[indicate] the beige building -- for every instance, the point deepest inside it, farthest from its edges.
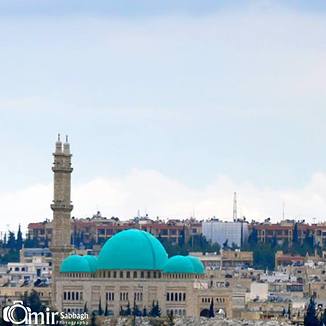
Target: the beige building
(133, 269)
(226, 259)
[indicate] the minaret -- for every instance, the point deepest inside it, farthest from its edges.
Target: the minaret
(61, 225)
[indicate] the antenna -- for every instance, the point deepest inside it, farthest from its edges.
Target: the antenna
(235, 207)
(283, 211)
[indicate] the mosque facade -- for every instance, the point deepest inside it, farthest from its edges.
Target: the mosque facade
(131, 270)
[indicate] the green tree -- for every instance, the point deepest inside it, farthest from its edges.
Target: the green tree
(310, 318)
(128, 310)
(19, 242)
(11, 243)
(295, 238)
(34, 302)
(145, 312)
(100, 310)
(155, 311)
(211, 309)
(93, 319)
(226, 245)
(253, 238)
(85, 307)
(264, 256)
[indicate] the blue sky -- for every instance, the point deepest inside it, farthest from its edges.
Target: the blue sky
(190, 91)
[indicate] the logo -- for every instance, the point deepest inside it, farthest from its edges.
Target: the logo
(18, 314)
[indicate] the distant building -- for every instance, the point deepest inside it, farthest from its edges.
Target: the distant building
(97, 229)
(27, 255)
(281, 232)
(21, 274)
(220, 232)
(227, 259)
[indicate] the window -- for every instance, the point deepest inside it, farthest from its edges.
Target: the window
(135, 274)
(121, 274)
(110, 296)
(123, 296)
(128, 275)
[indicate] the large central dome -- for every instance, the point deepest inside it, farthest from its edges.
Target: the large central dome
(132, 250)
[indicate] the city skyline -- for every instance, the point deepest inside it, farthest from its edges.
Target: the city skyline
(169, 109)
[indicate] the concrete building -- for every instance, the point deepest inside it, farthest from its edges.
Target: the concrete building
(226, 259)
(27, 273)
(220, 232)
(27, 255)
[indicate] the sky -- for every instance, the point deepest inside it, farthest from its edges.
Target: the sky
(170, 107)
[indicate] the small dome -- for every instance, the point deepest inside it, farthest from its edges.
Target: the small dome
(179, 264)
(92, 262)
(199, 267)
(184, 264)
(75, 264)
(132, 250)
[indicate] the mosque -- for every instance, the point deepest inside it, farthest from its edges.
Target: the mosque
(132, 268)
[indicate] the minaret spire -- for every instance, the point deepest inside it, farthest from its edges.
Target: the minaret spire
(61, 225)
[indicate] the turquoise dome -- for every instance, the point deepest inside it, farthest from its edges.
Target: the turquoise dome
(92, 262)
(132, 250)
(199, 267)
(184, 264)
(75, 264)
(179, 264)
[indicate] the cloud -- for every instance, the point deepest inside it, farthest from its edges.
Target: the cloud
(158, 195)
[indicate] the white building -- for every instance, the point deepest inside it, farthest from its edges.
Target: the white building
(26, 273)
(220, 232)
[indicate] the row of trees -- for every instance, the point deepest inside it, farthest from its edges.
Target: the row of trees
(183, 247)
(10, 245)
(155, 310)
(12, 241)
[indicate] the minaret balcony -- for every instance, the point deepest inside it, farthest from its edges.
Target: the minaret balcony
(59, 206)
(64, 169)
